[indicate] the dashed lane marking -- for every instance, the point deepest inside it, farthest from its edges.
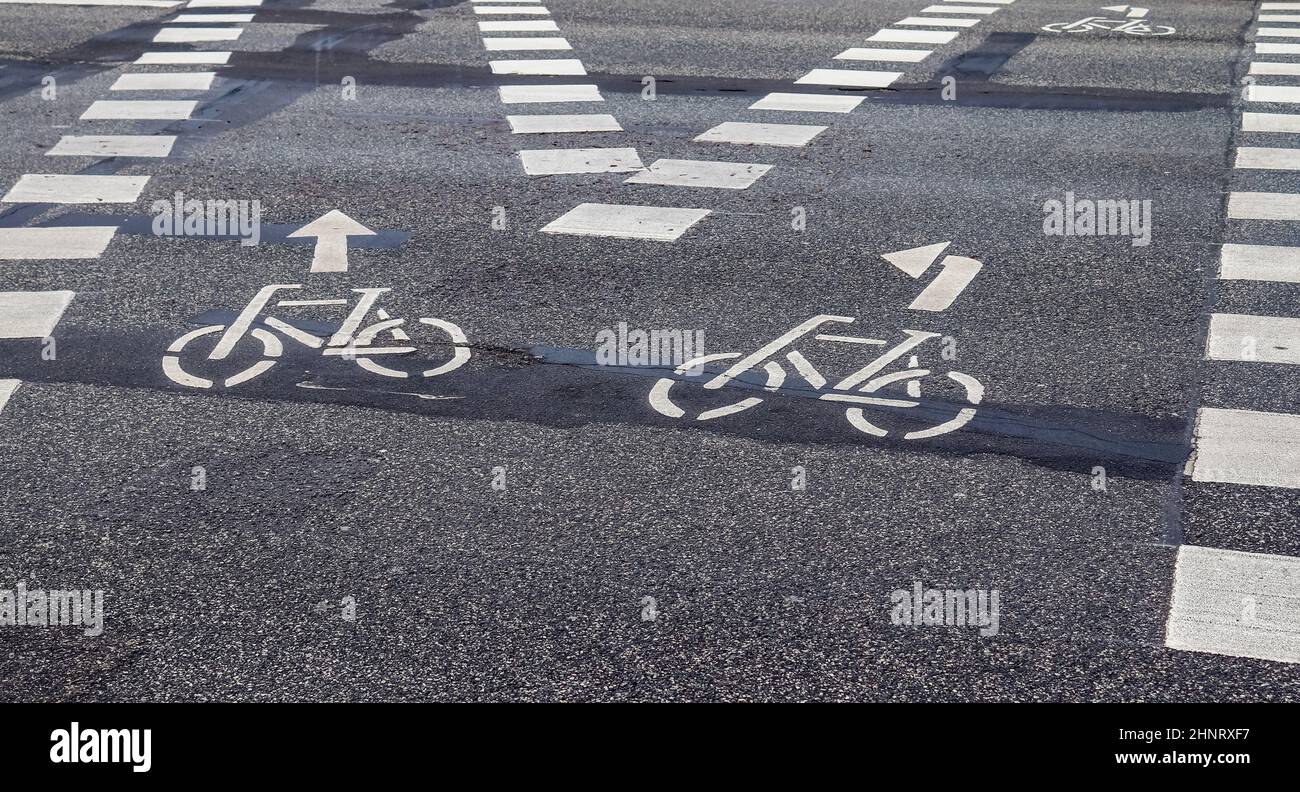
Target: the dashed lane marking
(164, 81)
(939, 21)
(1275, 48)
(1273, 263)
(175, 58)
(957, 9)
(512, 10)
(1265, 67)
(1266, 158)
(1263, 206)
(112, 146)
(849, 78)
(518, 26)
(32, 314)
(551, 162)
(1247, 447)
(1227, 602)
(658, 223)
(138, 110)
(739, 132)
(881, 54)
(556, 67)
(1270, 122)
(701, 173)
(807, 103)
(1262, 339)
(7, 388)
(553, 124)
(64, 189)
(915, 36)
(209, 18)
(539, 43)
(523, 94)
(190, 34)
(36, 244)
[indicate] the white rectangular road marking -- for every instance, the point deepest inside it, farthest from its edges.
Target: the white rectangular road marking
(1260, 339)
(701, 173)
(234, 3)
(659, 223)
(1278, 32)
(915, 36)
(743, 133)
(1273, 263)
(172, 58)
(994, 2)
(522, 43)
(1266, 67)
(138, 110)
(556, 67)
(113, 146)
(184, 35)
(1263, 206)
(1226, 602)
(1270, 122)
(145, 3)
(1271, 48)
(1247, 447)
(881, 54)
(1279, 17)
(957, 9)
(1266, 158)
(938, 21)
(209, 18)
(57, 188)
(32, 314)
(518, 26)
(37, 244)
(1277, 6)
(554, 161)
(512, 10)
(539, 124)
(7, 388)
(521, 94)
(852, 78)
(807, 103)
(164, 81)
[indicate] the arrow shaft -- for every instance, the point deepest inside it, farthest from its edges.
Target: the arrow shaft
(331, 254)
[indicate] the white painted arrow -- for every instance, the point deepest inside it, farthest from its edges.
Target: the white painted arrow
(1133, 11)
(915, 261)
(957, 273)
(331, 230)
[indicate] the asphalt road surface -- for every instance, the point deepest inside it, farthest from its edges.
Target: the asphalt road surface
(1070, 403)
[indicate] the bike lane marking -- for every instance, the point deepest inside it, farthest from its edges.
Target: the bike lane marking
(1232, 603)
(1260, 262)
(63, 189)
(626, 221)
(557, 67)
(553, 162)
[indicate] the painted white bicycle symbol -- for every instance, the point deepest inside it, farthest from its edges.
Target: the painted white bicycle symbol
(866, 380)
(1133, 27)
(351, 341)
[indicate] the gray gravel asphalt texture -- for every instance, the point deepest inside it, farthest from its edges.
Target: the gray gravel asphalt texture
(1090, 351)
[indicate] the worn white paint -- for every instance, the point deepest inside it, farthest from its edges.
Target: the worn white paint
(807, 103)
(553, 124)
(1246, 447)
(1262, 339)
(1266, 158)
(555, 161)
(742, 133)
(1263, 206)
(1260, 263)
(701, 173)
(32, 314)
(658, 223)
(38, 244)
(113, 146)
(63, 189)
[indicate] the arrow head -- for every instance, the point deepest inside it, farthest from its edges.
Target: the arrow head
(332, 223)
(915, 261)
(1120, 8)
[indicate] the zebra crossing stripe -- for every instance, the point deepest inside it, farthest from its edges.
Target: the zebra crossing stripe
(164, 81)
(1276, 48)
(138, 110)
(957, 9)
(551, 124)
(32, 314)
(238, 3)
(1260, 263)
(1227, 602)
(849, 78)
(560, 67)
(7, 388)
(1279, 17)
(51, 244)
(623, 221)
(1278, 32)
(807, 103)
(512, 10)
(1270, 122)
(523, 94)
(939, 21)
(1263, 206)
(551, 162)
(518, 26)
(1262, 339)
(63, 189)
(701, 173)
(210, 18)
(739, 132)
(180, 35)
(915, 36)
(1246, 447)
(113, 146)
(1269, 67)
(496, 44)
(882, 54)
(176, 58)
(1266, 158)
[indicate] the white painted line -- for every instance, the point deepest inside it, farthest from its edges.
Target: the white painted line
(164, 81)
(994, 2)
(742, 133)
(522, 43)
(1278, 32)
(556, 67)
(209, 18)
(1266, 158)
(1273, 263)
(1263, 6)
(513, 10)
(807, 103)
(189, 34)
(1247, 447)
(915, 36)
(7, 388)
(522, 94)
(850, 78)
(1279, 17)
(113, 146)
(36, 244)
(172, 58)
(145, 3)
(701, 173)
(1237, 604)
(61, 189)
(517, 26)
(1270, 122)
(659, 223)
(236, 3)
(1266, 67)
(881, 54)
(957, 9)
(138, 110)
(1259, 339)
(952, 280)
(32, 314)
(1270, 48)
(555, 161)
(938, 21)
(551, 124)
(1263, 206)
